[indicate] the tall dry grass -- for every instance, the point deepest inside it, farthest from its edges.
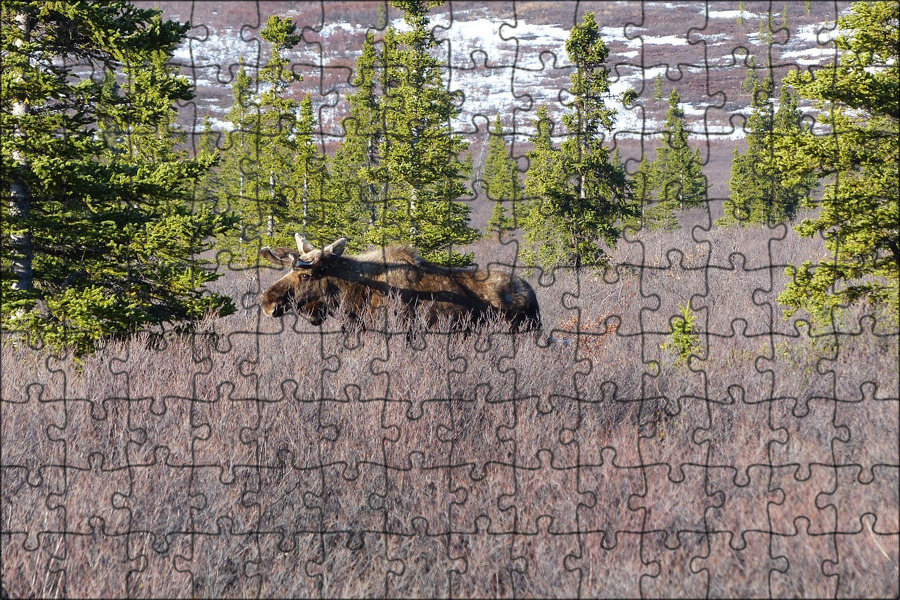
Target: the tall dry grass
(266, 457)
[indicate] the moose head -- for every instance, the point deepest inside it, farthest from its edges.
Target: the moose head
(303, 288)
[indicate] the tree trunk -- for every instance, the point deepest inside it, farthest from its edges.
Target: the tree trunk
(241, 204)
(305, 204)
(19, 194)
(270, 225)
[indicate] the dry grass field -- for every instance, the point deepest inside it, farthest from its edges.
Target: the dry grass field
(266, 457)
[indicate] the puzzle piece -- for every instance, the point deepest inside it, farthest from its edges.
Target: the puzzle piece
(668, 431)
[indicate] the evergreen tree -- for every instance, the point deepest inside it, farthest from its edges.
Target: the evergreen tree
(272, 184)
(100, 236)
(207, 189)
(274, 173)
(238, 156)
(658, 88)
(353, 199)
(501, 178)
(577, 198)
(545, 181)
(419, 166)
(759, 192)
(859, 217)
(677, 172)
(311, 215)
(643, 188)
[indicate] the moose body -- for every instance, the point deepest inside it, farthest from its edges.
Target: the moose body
(324, 282)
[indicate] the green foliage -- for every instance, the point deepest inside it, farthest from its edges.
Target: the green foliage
(642, 183)
(501, 178)
(760, 193)
(674, 180)
(102, 235)
(684, 339)
(859, 218)
(273, 172)
(418, 167)
(353, 198)
(658, 88)
(577, 198)
(677, 170)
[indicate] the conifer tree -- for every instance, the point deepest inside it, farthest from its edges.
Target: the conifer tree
(578, 199)
(657, 88)
(310, 214)
(759, 192)
(274, 173)
(101, 236)
(677, 172)
(501, 178)
(207, 188)
(238, 157)
(353, 199)
(419, 167)
(272, 185)
(545, 180)
(859, 104)
(643, 186)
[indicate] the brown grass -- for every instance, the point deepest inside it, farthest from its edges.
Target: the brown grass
(265, 457)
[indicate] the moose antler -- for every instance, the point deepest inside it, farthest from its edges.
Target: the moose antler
(304, 246)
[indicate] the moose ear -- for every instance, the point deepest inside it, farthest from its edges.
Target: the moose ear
(302, 245)
(336, 249)
(279, 256)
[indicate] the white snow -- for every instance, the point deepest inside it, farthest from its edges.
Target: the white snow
(503, 67)
(664, 40)
(727, 14)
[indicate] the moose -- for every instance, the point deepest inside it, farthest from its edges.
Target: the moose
(325, 282)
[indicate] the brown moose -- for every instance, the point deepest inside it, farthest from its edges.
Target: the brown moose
(324, 282)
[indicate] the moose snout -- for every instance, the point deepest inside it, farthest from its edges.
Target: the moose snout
(272, 305)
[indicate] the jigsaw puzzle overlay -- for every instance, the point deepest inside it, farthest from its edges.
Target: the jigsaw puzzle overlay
(670, 431)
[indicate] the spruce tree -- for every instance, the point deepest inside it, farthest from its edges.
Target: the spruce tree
(501, 178)
(207, 145)
(238, 156)
(858, 216)
(642, 182)
(759, 192)
(677, 172)
(657, 88)
(273, 187)
(310, 213)
(101, 234)
(547, 241)
(273, 172)
(419, 167)
(578, 199)
(353, 198)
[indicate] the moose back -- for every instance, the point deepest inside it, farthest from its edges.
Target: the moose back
(325, 282)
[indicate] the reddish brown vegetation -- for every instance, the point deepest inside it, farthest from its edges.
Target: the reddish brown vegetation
(267, 457)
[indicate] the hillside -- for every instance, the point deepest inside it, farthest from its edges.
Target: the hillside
(509, 58)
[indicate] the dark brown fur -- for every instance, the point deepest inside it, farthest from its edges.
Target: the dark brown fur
(357, 285)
